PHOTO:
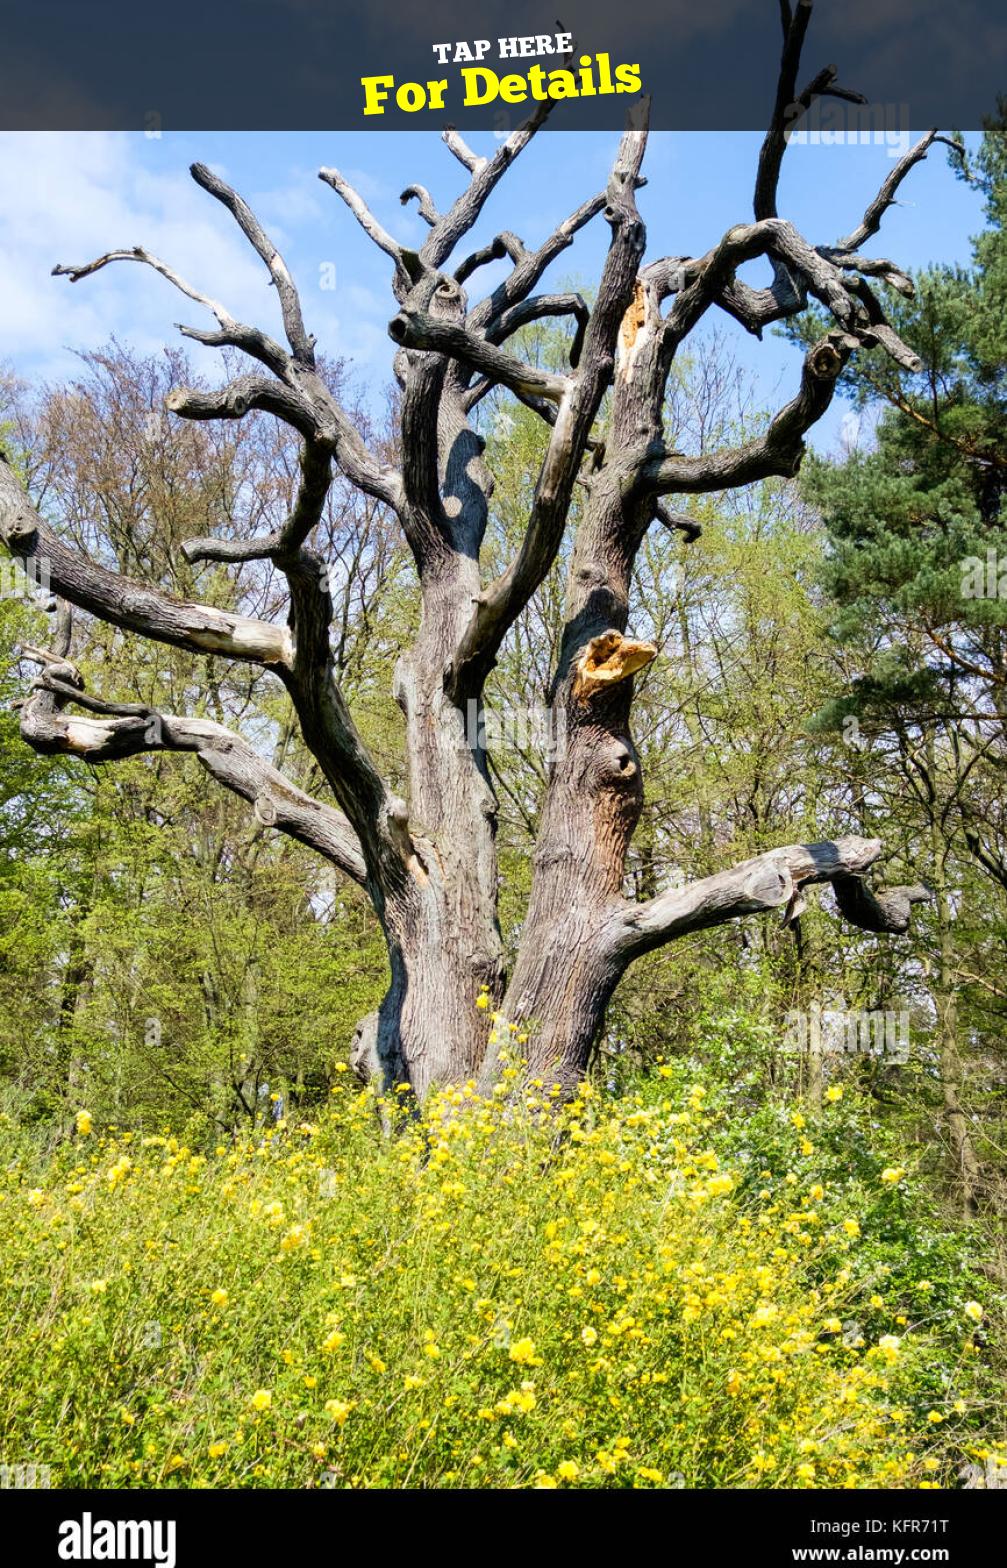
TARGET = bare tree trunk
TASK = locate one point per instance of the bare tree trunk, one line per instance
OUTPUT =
(444, 939)
(968, 1171)
(76, 979)
(568, 962)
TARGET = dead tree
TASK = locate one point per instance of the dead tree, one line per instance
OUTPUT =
(429, 863)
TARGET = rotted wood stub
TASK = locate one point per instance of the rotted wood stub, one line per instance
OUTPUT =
(607, 659)
(634, 318)
(636, 329)
(825, 362)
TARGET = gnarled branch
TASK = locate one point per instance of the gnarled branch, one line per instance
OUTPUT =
(231, 334)
(778, 451)
(537, 308)
(504, 599)
(871, 221)
(135, 606)
(131, 729)
(770, 881)
(419, 330)
(302, 346)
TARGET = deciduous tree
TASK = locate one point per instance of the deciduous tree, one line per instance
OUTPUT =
(427, 857)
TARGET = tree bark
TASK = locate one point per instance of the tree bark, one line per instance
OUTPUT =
(967, 1170)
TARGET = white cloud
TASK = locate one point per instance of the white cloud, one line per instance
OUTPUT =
(68, 198)
(300, 201)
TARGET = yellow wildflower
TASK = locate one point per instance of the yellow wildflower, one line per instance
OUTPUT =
(295, 1237)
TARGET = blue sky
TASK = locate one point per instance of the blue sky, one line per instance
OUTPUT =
(69, 197)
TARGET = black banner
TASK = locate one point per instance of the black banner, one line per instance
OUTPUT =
(180, 1529)
(335, 65)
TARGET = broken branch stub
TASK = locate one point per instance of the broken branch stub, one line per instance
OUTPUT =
(607, 659)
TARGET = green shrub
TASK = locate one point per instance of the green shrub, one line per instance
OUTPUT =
(631, 1292)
